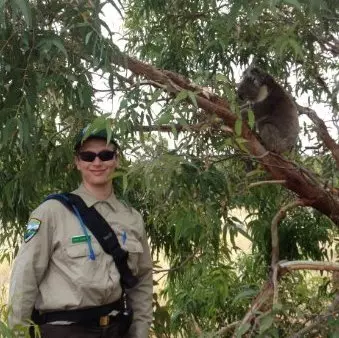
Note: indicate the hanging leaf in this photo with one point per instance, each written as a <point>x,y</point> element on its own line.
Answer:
<point>238,127</point>
<point>182,95</point>
<point>251,118</point>
<point>155,96</point>
<point>88,36</point>
<point>193,98</point>
<point>24,7</point>
<point>57,43</point>
<point>242,330</point>
<point>294,3</point>
<point>265,323</point>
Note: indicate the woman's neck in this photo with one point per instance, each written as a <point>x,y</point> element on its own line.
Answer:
<point>100,192</point>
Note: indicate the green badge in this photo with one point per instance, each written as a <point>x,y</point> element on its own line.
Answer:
<point>32,228</point>
<point>80,239</point>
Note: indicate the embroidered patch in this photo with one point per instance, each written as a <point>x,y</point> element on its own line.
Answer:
<point>32,228</point>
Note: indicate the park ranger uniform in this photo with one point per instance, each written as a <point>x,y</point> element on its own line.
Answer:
<point>55,268</point>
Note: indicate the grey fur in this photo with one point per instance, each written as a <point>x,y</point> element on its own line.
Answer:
<point>276,115</point>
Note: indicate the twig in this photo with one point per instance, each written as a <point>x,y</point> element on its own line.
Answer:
<point>256,184</point>
<point>275,244</point>
<point>177,267</point>
<point>149,83</point>
<point>274,228</point>
<point>227,328</point>
<point>322,132</point>
<point>7,42</point>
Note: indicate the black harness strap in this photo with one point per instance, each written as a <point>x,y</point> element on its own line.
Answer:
<point>103,233</point>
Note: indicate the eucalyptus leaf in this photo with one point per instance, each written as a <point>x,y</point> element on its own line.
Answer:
<point>25,8</point>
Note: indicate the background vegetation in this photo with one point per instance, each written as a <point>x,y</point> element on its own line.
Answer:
<point>186,182</point>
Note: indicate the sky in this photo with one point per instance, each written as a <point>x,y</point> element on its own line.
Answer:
<point>115,23</point>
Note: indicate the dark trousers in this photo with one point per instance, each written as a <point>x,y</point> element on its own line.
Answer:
<point>79,331</point>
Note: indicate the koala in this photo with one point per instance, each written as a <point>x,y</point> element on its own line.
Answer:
<point>276,115</point>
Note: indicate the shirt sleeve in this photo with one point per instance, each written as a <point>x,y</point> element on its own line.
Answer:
<point>30,265</point>
<point>140,297</point>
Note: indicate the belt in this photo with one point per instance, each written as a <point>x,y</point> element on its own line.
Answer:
<point>100,321</point>
<point>79,315</point>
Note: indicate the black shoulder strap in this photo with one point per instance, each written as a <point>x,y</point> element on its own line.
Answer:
<point>102,232</point>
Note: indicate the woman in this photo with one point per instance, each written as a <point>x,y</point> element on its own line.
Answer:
<point>63,274</point>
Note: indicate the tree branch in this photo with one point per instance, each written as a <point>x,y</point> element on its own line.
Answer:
<point>171,127</point>
<point>286,266</point>
<point>312,194</point>
<point>319,319</point>
<point>283,267</point>
<point>322,132</point>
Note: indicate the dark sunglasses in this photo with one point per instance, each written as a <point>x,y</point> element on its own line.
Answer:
<point>89,156</point>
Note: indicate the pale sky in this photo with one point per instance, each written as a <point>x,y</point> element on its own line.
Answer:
<point>114,21</point>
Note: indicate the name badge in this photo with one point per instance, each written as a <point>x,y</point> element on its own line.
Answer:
<point>80,239</point>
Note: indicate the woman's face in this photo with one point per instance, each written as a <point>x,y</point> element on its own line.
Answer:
<point>98,172</point>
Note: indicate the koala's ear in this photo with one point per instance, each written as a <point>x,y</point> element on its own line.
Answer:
<point>254,63</point>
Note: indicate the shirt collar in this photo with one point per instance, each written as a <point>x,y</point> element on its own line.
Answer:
<point>91,200</point>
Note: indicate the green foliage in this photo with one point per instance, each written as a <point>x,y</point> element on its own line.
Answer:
<point>293,243</point>
<point>5,331</point>
<point>212,292</point>
<point>46,94</point>
<point>184,201</point>
<point>190,36</point>
<point>190,186</point>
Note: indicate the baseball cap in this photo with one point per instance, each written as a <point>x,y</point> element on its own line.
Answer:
<point>94,134</point>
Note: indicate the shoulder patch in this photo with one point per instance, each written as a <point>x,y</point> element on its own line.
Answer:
<point>32,228</point>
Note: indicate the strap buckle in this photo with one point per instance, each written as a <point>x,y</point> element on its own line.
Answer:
<point>104,320</point>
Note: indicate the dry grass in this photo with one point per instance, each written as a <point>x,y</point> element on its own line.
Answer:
<point>5,272</point>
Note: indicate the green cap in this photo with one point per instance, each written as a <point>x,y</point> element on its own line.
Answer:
<point>95,134</point>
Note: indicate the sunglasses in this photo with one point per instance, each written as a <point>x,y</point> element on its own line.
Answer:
<point>89,156</point>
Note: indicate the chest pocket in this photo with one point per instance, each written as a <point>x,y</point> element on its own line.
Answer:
<point>135,249</point>
<point>81,267</point>
<point>127,235</point>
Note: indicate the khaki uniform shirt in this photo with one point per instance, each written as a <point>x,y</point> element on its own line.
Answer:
<point>53,271</point>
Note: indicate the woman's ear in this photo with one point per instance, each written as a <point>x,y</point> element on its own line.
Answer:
<point>76,161</point>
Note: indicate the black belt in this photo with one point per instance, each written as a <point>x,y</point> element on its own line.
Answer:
<point>78,315</point>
